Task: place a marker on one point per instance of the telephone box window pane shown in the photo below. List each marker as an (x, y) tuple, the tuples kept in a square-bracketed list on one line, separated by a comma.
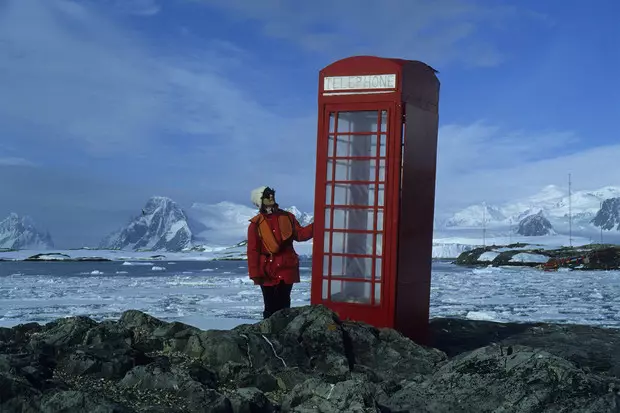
[(356, 145), (326, 242), (358, 219), (351, 267), (325, 265), (383, 146), (330, 145), (358, 121), (343, 145), (352, 243), (350, 292), (383, 120), (380, 194), (355, 170), (354, 194), (377, 293), (378, 267), (329, 171), (379, 220), (328, 194), (324, 289), (379, 245), (328, 218), (332, 123), (337, 266)]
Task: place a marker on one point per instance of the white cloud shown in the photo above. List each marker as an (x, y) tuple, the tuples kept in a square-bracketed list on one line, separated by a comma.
[(15, 161), (435, 31), (72, 79), (94, 84), (481, 163)]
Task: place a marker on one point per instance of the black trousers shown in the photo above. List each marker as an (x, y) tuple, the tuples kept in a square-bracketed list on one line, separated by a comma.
[(276, 297)]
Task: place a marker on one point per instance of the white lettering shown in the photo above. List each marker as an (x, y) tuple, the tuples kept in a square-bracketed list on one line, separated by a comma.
[(360, 82)]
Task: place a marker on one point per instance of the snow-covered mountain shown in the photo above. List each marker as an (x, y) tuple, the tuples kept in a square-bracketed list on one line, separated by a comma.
[(608, 217), (552, 200), (304, 218), (162, 225), (226, 223), (535, 226), (21, 233), (223, 224)]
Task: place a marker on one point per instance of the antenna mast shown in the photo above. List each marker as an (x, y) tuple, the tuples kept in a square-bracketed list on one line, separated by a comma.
[(570, 213), (601, 207), (484, 224)]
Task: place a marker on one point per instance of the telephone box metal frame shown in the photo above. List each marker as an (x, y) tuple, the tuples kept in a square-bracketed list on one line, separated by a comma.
[(407, 91)]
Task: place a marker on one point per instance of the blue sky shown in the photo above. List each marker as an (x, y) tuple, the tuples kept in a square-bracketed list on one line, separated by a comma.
[(104, 103)]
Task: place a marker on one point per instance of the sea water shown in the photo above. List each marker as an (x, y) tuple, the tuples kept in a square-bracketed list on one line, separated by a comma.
[(219, 294)]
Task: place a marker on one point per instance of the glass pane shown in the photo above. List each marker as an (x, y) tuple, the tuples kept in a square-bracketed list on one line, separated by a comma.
[(379, 220), (382, 147), (328, 218), (328, 194), (329, 172), (377, 293), (356, 145), (330, 145), (351, 267), (378, 269), (349, 243), (379, 245), (361, 219), (355, 169), (324, 289), (343, 145), (354, 194), (326, 242), (383, 120), (325, 265), (361, 121), (332, 122), (380, 194), (350, 291)]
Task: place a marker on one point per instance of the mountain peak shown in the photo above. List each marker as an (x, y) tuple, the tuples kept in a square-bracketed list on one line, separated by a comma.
[(163, 225), (608, 216), (21, 233)]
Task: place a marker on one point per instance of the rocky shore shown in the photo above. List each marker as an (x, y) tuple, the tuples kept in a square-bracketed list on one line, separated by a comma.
[(586, 257), (306, 360)]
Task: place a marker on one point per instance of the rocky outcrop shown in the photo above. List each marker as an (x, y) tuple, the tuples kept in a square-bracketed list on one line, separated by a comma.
[(587, 257), (306, 360)]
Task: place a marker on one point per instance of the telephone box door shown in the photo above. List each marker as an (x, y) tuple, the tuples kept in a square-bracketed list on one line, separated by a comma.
[(354, 150)]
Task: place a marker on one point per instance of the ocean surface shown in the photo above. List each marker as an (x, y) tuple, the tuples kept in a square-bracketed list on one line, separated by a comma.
[(219, 294)]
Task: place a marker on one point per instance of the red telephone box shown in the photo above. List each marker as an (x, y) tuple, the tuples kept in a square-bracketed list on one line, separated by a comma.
[(375, 192)]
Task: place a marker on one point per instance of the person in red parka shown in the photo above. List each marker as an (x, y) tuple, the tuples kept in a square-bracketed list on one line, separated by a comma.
[(272, 261)]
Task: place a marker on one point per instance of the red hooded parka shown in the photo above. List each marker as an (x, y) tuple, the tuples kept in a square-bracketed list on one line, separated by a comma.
[(282, 265)]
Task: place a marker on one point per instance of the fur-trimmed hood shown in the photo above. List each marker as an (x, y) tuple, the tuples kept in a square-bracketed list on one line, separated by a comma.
[(256, 196)]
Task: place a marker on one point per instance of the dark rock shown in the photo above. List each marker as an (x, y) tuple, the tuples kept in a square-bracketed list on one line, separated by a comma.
[(343, 396), (306, 359), (490, 380), (79, 402), (250, 400)]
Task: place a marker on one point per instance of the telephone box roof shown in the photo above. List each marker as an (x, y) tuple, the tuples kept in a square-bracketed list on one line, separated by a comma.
[(370, 65)]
